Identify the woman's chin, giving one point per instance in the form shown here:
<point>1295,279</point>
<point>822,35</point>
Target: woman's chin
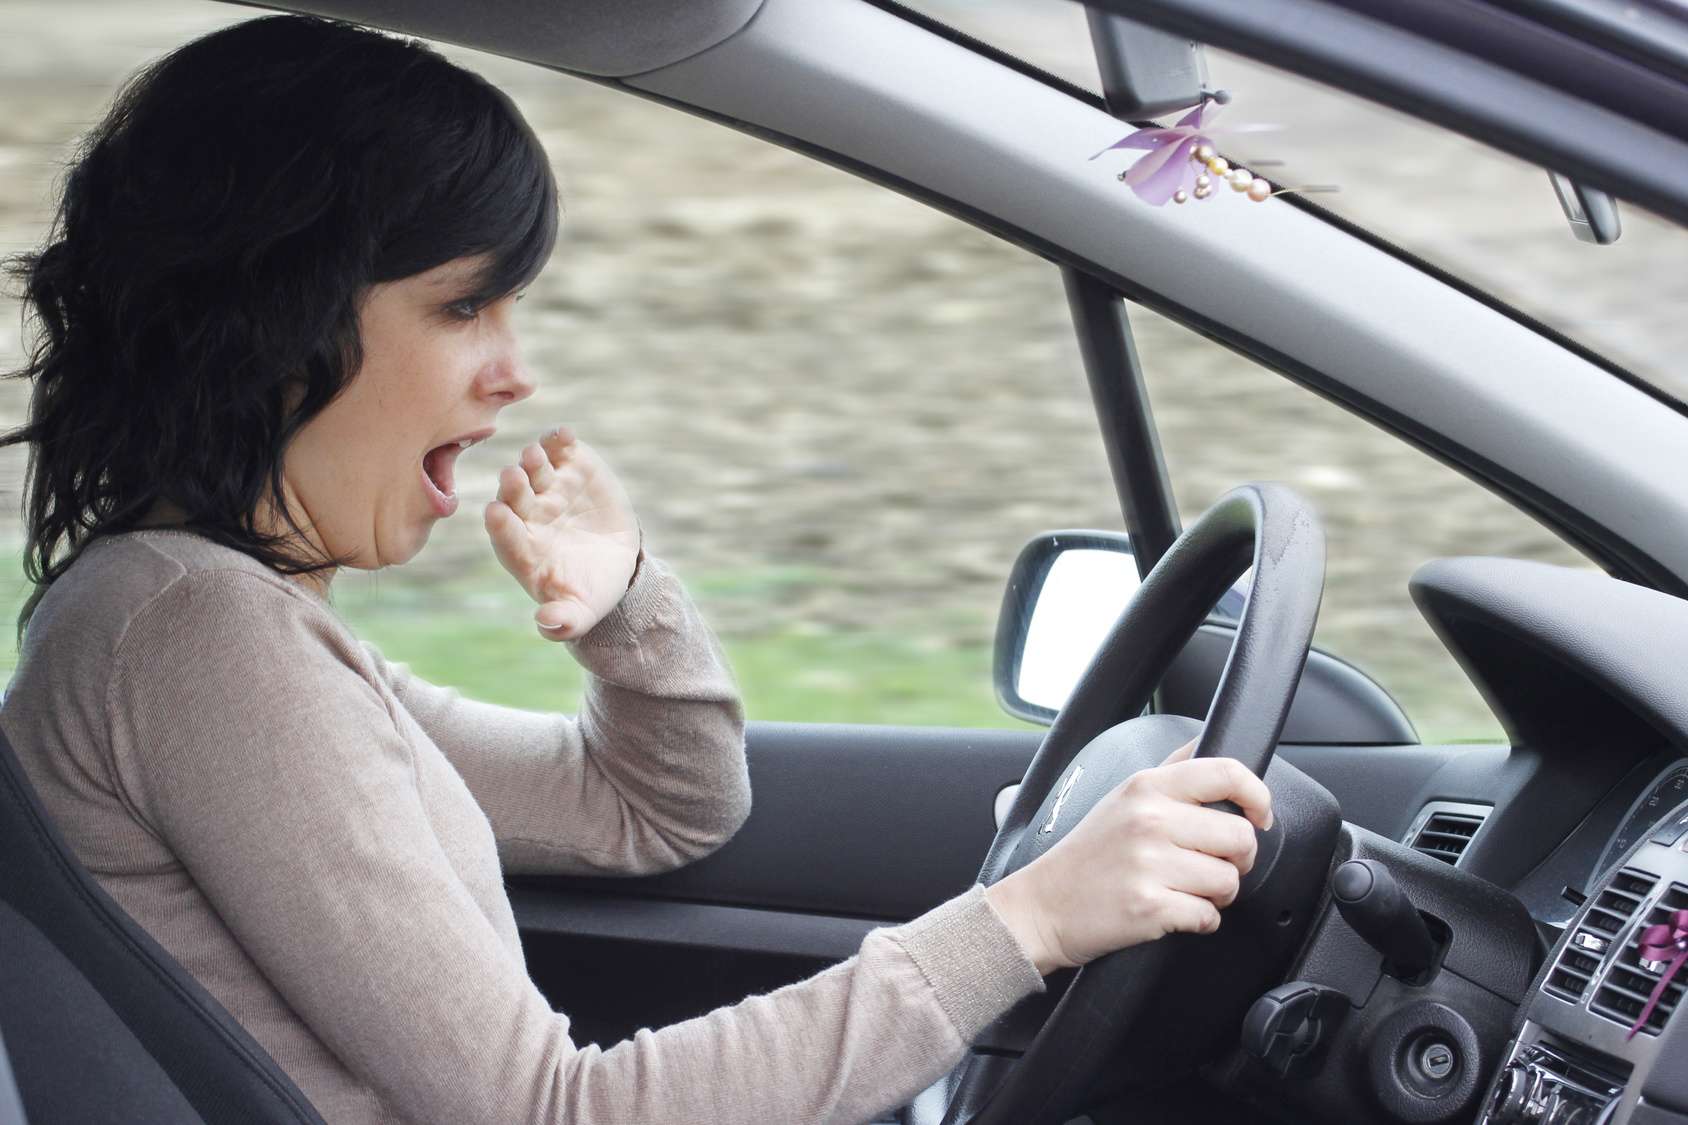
<point>396,550</point>
<point>418,540</point>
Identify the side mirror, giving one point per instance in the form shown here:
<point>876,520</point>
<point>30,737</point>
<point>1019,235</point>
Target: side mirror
<point>1066,591</point>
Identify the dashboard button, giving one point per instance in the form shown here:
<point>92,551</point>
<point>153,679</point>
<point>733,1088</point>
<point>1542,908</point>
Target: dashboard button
<point>1582,939</point>
<point>1511,1093</point>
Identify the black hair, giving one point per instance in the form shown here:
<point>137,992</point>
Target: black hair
<point>198,292</point>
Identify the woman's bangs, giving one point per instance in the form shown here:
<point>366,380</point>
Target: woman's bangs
<point>510,207</point>
<point>518,258</point>
<point>493,195</point>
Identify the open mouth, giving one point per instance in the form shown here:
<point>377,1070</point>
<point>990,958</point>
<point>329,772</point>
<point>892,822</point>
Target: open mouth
<point>438,467</point>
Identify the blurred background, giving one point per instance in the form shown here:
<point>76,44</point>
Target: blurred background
<point>841,413</point>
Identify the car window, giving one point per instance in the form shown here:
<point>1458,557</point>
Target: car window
<point>839,413</point>
<point>1385,506</point>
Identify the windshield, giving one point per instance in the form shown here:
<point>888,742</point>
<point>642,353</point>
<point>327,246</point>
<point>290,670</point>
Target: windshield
<point>1477,213</point>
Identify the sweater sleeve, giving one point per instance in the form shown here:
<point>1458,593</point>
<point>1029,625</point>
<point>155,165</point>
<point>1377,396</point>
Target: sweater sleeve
<point>650,776</point>
<point>246,739</point>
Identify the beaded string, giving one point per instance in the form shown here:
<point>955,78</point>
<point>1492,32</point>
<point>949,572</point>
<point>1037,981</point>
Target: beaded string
<point>1182,163</point>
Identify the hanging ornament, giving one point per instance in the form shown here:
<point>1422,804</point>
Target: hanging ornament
<point>1181,162</point>
<point>1174,156</point>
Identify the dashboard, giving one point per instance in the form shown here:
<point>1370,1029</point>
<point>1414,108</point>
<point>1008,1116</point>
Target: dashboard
<point>1591,1041</point>
<point>1629,812</point>
<point>1588,829</point>
<point>1649,811</point>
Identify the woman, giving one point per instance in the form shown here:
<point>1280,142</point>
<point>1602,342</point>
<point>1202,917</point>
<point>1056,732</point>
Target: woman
<point>276,305</point>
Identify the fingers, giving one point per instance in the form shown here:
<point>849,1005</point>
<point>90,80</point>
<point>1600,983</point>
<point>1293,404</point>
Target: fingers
<point>1183,753</point>
<point>516,490</point>
<point>1201,875</point>
<point>1189,914</point>
<point>509,538</point>
<point>537,461</point>
<point>561,620</point>
<point>1216,833</point>
<point>558,444</point>
<point>501,522</point>
<point>1204,781</point>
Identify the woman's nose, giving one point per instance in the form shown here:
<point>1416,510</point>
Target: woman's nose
<point>510,383</point>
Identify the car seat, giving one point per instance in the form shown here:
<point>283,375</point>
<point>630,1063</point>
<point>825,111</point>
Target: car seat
<point>101,1024</point>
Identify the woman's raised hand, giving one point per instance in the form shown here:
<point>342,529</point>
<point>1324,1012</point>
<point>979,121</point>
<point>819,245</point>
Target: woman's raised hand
<point>1146,861</point>
<point>564,527</point>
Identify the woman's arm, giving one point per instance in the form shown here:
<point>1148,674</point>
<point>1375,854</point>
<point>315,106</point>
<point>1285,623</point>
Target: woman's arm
<point>245,737</point>
<point>650,776</point>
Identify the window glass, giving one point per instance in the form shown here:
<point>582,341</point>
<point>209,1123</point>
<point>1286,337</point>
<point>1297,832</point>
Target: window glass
<point>1486,217</point>
<point>839,413</point>
<point>1385,507</point>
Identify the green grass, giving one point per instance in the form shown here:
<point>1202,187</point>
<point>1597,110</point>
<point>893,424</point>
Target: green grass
<point>485,646</point>
<point>474,631</point>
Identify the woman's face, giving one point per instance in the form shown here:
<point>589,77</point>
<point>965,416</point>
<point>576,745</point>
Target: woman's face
<point>369,475</point>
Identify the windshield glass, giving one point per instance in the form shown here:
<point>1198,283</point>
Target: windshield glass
<point>1477,213</point>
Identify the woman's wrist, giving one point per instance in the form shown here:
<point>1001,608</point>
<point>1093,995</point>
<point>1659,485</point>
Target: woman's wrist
<point>1020,914</point>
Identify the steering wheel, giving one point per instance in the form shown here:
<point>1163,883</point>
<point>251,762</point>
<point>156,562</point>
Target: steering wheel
<point>1150,1010</point>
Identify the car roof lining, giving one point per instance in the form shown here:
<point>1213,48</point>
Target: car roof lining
<point>599,38</point>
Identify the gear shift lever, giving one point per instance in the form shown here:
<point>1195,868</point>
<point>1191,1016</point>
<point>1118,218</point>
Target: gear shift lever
<point>1370,901</point>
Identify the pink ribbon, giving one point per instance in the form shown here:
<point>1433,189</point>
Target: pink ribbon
<point>1668,941</point>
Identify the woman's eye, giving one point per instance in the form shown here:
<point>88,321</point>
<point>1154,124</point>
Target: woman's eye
<point>464,310</point>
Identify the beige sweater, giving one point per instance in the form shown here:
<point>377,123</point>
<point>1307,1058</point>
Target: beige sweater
<point>319,837</point>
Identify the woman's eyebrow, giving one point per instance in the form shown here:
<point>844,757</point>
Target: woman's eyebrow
<point>457,278</point>
<point>459,273</point>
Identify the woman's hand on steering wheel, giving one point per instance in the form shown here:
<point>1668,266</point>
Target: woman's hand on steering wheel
<point>564,527</point>
<point>1146,861</point>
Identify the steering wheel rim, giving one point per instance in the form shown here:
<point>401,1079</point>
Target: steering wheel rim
<point>1265,526</point>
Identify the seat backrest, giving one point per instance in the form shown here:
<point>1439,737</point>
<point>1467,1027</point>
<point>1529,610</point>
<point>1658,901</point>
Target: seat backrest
<point>11,1106</point>
<point>101,1024</point>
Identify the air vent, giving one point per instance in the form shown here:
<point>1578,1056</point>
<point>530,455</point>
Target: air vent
<point>1445,829</point>
<point>1623,994</point>
<point>1586,949</point>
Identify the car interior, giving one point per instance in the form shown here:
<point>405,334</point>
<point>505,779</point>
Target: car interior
<point>1435,932</point>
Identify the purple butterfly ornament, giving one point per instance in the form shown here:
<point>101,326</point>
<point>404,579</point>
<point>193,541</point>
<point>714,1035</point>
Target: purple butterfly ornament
<point>1169,166</point>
